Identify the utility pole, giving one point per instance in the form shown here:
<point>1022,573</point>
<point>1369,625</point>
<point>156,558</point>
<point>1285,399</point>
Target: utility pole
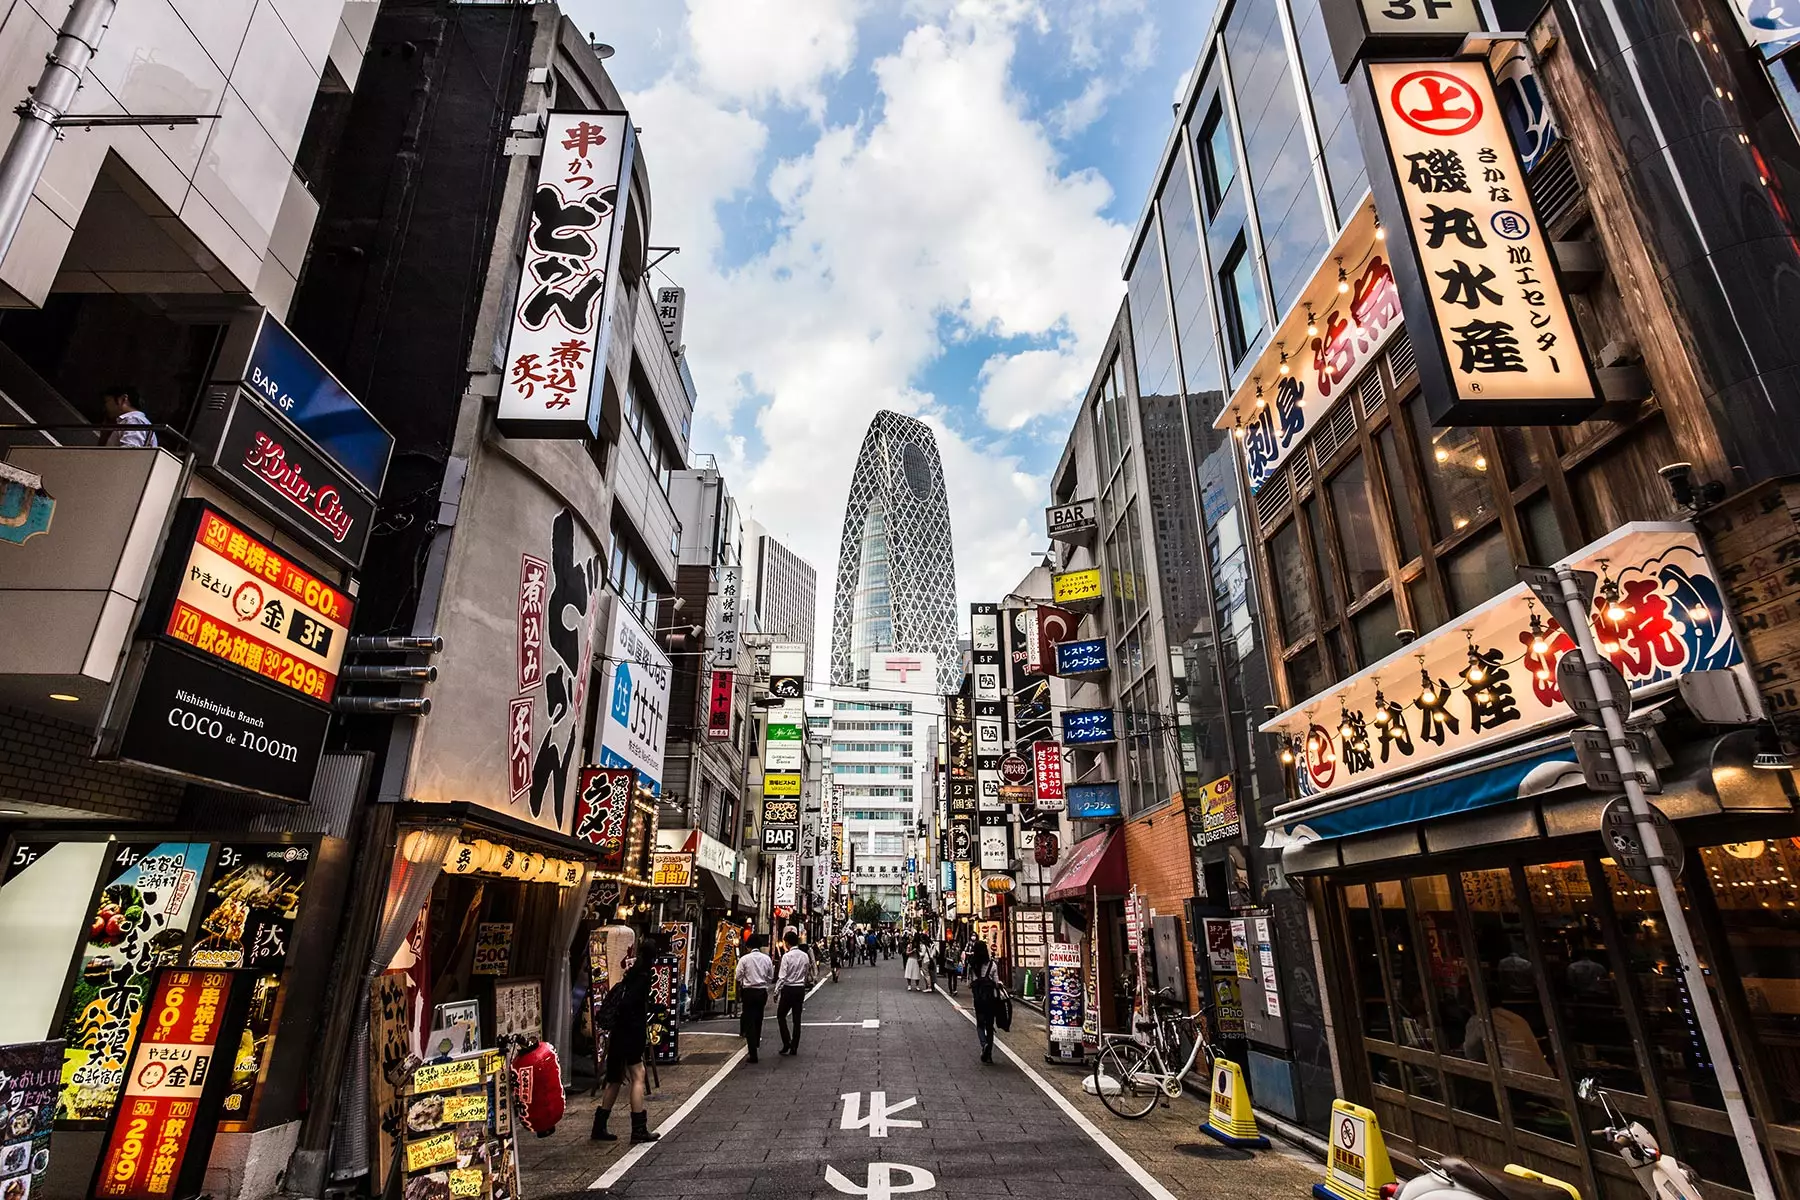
<point>1568,591</point>
<point>42,112</point>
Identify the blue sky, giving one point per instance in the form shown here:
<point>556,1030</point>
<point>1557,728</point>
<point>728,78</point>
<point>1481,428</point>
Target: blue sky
<point>910,204</point>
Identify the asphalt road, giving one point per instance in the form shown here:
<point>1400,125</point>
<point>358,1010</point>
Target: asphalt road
<point>954,1126</point>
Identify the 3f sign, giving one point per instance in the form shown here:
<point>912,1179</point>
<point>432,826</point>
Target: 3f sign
<point>1420,16</point>
<point>1406,10</point>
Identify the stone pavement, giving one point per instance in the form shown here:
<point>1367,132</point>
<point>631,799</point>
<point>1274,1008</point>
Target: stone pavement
<point>775,1127</point>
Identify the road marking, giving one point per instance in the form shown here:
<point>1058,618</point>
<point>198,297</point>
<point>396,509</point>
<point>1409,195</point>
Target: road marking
<point>629,1159</point>
<point>881,1181</point>
<point>1131,1165</point>
<point>881,1114</point>
<point>872,1023</point>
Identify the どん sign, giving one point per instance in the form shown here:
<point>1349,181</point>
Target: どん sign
<point>207,722</point>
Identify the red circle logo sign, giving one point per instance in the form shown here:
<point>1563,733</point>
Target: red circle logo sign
<point>1435,102</point>
<point>1321,759</point>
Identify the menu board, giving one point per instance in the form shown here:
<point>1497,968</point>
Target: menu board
<point>519,1007</point>
<point>493,947</point>
<point>459,1139</point>
<point>29,1074</point>
<point>665,1017</point>
<point>1063,993</point>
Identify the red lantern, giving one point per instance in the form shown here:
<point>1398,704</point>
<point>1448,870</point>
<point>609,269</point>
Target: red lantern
<point>538,1088</point>
<point>1047,851</point>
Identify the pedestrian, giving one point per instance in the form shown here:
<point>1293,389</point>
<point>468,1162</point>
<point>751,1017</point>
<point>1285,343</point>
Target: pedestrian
<point>887,946</point>
<point>627,1013</point>
<point>952,968</point>
<point>869,945</point>
<point>792,977</point>
<point>984,990</point>
<point>131,428</point>
<point>755,976</point>
<point>927,962</point>
<point>915,975</point>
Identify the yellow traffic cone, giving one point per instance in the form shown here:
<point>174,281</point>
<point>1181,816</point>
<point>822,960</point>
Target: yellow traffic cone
<point>1358,1164</point>
<point>1229,1117</point>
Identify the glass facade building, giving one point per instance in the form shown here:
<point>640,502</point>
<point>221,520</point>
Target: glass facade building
<point>896,583</point>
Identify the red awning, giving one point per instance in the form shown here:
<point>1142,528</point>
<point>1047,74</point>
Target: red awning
<point>1097,861</point>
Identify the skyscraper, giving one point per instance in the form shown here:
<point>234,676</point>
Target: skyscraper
<point>781,588</point>
<point>896,583</point>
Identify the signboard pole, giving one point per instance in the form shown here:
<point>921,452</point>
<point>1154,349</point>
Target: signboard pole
<point>1575,610</point>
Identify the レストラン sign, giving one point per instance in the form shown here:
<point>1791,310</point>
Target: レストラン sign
<point>1497,344</point>
<point>1491,676</point>
<point>246,604</point>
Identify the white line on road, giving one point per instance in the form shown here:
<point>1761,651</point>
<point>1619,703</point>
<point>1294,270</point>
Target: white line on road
<point>1132,1167</point>
<point>629,1159</point>
<point>871,1023</point>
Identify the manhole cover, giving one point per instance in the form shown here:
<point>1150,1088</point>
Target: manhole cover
<point>1214,1151</point>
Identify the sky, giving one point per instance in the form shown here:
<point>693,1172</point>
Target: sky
<point>918,205</point>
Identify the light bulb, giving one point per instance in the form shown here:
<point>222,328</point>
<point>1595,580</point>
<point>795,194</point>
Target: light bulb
<point>1616,612</point>
<point>1477,675</point>
<point>1484,696</point>
<point>1481,462</point>
<point>1312,327</point>
<point>1543,673</point>
<point>1441,454</point>
<point>1283,368</point>
<point>1287,756</point>
<point>1609,647</point>
<point>1381,716</point>
<point>1699,612</point>
<point>1380,232</point>
<point>1343,286</point>
<point>1540,647</point>
<point>1345,730</point>
<point>1427,698</point>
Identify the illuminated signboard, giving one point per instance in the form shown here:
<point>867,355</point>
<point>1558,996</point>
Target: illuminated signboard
<point>159,1140</point>
<point>1076,587</point>
<point>1079,658</point>
<point>719,706</point>
<point>671,869</point>
<point>1084,726</point>
<point>781,783</point>
<point>562,314</point>
<point>1496,340</point>
<point>251,607</point>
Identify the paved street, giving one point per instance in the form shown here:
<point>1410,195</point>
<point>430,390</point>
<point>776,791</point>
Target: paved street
<point>776,1127</point>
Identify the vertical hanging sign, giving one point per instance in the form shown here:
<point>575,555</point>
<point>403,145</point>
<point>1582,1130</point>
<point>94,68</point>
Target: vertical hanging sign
<point>562,315</point>
<point>1483,304</point>
<point>994,849</point>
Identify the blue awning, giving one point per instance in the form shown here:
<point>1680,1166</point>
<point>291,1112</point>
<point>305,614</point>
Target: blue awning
<point>1464,793</point>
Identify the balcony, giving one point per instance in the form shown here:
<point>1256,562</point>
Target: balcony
<point>69,593</point>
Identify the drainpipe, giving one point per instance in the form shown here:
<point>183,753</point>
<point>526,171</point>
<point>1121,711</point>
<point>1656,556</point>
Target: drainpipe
<point>39,113</point>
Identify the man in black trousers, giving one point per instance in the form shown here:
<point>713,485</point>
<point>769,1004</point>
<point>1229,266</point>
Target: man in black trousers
<point>755,976</point>
<point>794,974</point>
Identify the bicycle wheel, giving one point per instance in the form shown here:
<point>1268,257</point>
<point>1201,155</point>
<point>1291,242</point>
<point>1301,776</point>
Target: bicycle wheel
<point>1119,1078</point>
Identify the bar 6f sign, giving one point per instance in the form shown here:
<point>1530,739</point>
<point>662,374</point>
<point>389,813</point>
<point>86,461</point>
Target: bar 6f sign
<point>562,316</point>
<point>1478,286</point>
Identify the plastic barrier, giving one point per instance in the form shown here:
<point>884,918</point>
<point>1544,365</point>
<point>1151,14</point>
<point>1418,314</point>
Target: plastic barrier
<point>1358,1164</point>
<point>1228,1116</point>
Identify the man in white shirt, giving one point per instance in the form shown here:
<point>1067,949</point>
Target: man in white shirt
<point>794,975</point>
<point>755,976</point>
<point>130,426</point>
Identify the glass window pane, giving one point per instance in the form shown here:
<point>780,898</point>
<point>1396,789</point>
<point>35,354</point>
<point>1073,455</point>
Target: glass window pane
<point>1427,612</point>
<point>1541,1115</point>
<point>1753,884</point>
<point>1291,590</point>
<point>1358,536</point>
<point>1366,963</point>
<point>1473,1095</point>
<point>1516,449</point>
<point>1328,585</point>
<point>1580,975</point>
<point>1375,628</point>
<point>1218,163</point>
<point>1480,570</point>
<point>1518,1037</point>
<point>1243,300</point>
<point>1448,966</point>
<point>1458,482</point>
<point>1542,533</point>
<point>1412,1023</point>
<point>1307,673</point>
<point>1399,494</point>
<point>1683,1067</point>
<point>1149,304</point>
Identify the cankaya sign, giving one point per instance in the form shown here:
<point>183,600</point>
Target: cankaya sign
<point>562,318</point>
<point>719,705</point>
<point>1350,338</point>
<point>1047,776</point>
<point>238,599</point>
<point>1070,522</point>
<point>1496,341</point>
<point>1048,627</point>
<point>1427,703</point>
<point>1080,658</point>
<point>285,376</point>
<point>636,713</point>
<point>204,721</point>
<point>273,465</point>
<point>1077,587</point>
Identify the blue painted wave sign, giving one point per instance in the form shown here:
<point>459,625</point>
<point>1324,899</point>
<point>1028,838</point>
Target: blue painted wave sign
<point>1083,726</point>
<point>1079,658</point>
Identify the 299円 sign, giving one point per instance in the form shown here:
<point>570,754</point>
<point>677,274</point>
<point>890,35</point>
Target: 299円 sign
<point>249,605</point>
<point>1475,269</point>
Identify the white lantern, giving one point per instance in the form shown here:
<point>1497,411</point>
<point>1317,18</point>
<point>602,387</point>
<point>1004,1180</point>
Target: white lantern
<point>524,865</point>
<point>463,858</point>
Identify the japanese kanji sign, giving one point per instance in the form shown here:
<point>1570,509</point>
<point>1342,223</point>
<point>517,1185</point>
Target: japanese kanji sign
<point>243,602</point>
<point>1497,343</point>
<point>563,311</point>
<point>1492,675</point>
<point>534,596</point>
<point>719,706</point>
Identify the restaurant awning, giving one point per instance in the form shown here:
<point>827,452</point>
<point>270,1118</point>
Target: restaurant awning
<point>1096,862</point>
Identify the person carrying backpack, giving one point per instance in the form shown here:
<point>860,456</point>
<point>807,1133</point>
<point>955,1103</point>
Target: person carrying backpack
<point>992,1003</point>
<point>625,1018</point>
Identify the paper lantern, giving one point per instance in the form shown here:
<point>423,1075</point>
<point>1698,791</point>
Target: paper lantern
<point>547,870</point>
<point>463,858</point>
<point>525,865</point>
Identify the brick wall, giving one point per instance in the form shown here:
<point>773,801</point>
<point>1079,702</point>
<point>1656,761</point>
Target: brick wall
<point>1156,858</point>
<point>45,761</point>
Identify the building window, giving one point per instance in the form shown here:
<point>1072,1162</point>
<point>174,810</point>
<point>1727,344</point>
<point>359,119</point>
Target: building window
<point>1242,302</point>
<point>1218,165</point>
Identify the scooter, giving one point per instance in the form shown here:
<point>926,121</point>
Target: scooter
<point>1460,1179</point>
<point>1656,1172</point>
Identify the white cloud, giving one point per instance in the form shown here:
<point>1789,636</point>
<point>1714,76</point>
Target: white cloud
<point>752,51</point>
<point>1080,111</point>
<point>1017,388</point>
<point>698,155</point>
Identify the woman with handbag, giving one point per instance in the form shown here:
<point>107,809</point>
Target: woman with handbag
<point>992,1003</point>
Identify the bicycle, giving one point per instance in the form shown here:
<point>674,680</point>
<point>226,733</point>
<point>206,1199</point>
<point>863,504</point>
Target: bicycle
<point>1128,1070</point>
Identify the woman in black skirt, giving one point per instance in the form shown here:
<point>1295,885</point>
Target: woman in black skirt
<point>628,1035</point>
